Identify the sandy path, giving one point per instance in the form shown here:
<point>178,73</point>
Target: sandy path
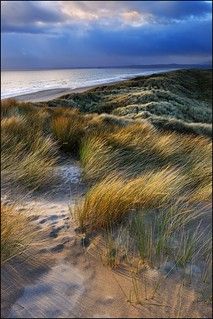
<point>56,290</point>
<point>74,284</point>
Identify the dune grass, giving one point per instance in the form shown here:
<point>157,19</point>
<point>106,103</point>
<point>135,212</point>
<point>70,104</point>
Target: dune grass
<point>174,101</point>
<point>28,154</point>
<point>180,126</point>
<point>11,107</point>
<point>183,95</point>
<point>17,234</point>
<point>28,157</point>
<point>139,148</point>
<point>151,183</point>
<point>68,129</point>
<point>113,198</point>
<point>105,144</point>
<point>169,234</point>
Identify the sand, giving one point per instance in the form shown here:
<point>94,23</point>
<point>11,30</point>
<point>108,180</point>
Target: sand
<point>68,280</point>
<point>47,95</point>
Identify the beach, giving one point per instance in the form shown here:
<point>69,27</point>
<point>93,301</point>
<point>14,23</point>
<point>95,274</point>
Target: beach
<point>41,85</point>
<point>51,94</point>
<point>48,95</point>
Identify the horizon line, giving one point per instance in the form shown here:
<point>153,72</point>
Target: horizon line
<point>111,67</point>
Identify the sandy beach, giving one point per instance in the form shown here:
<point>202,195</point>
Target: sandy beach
<point>51,94</point>
<point>47,95</point>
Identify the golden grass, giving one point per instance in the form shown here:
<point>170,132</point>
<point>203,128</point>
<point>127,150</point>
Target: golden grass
<point>107,146</point>
<point>97,157</point>
<point>28,156</point>
<point>139,148</point>
<point>138,169</point>
<point>135,169</point>
<point>11,107</point>
<point>68,130</point>
<point>16,233</point>
<point>114,197</point>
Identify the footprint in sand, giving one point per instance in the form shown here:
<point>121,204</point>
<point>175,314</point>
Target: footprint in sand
<point>53,296</point>
<point>55,231</point>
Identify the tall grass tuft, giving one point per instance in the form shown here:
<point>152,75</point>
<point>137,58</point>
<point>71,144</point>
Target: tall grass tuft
<point>68,130</point>
<point>112,198</point>
<point>28,156</point>
<point>16,233</point>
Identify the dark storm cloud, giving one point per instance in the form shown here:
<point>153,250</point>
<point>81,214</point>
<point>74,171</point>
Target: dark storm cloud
<point>43,16</point>
<point>150,40</point>
<point>80,33</point>
<point>28,16</point>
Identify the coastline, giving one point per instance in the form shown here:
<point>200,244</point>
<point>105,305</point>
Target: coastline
<point>51,94</point>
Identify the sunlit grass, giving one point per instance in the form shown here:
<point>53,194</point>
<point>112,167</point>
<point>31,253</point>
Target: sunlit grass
<point>114,197</point>
<point>28,156</point>
<point>17,233</point>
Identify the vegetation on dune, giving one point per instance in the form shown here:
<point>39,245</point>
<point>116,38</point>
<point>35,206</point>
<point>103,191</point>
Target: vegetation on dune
<point>151,184</point>
<point>139,148</point>
<point>180,126</point>
<point>114,197</point>
<point>157,235</point>
<point>104,143</point>
<point>16,233</point>
<point>177,100</point>
<point>68,129</point>
<point>28,154</point>
<point>188,174</point>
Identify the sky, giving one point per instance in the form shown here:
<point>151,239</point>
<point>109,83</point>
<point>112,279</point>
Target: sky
<point>59,34</point>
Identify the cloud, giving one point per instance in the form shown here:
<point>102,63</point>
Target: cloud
<point>158,11</point>
<point>47,16</point>
<point>151,40</point>
<point>29,16</point>
<point>89,33</point>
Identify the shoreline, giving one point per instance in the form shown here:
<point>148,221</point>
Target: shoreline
<point>51,94</point>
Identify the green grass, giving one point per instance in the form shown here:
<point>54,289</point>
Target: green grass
<point>175,125</point>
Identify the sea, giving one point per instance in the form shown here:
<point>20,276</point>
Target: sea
<point>15,83</point>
